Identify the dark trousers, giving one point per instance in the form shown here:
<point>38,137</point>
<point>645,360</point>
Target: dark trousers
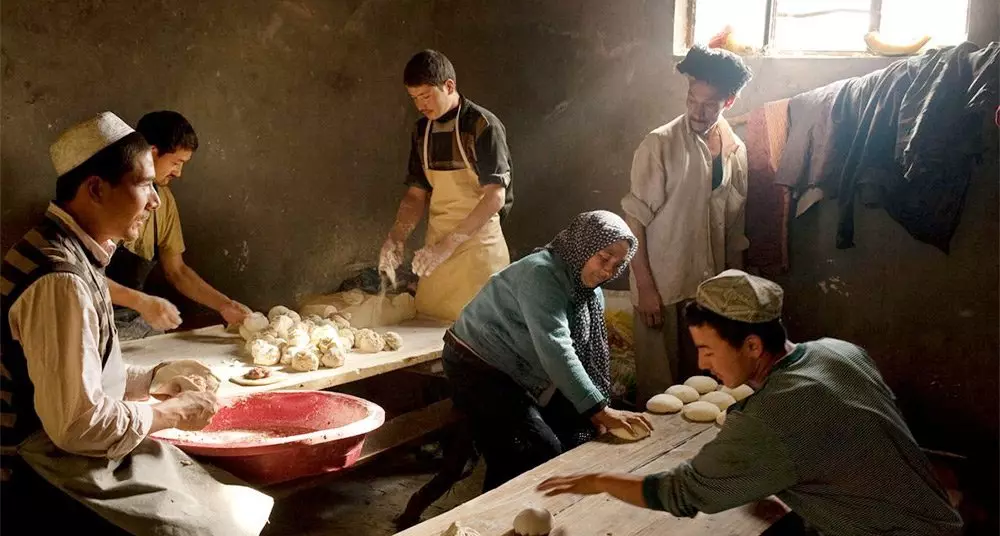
<point>511,431</point>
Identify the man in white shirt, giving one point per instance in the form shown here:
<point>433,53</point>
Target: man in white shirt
<point>76,451</point>
<point>686,205</point>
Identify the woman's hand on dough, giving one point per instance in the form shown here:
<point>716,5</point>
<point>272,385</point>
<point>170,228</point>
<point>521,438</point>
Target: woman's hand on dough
<point>390,256</point>
<point>609,418</point>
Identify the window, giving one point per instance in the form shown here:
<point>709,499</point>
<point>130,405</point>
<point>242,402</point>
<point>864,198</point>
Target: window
<point>828,27</point>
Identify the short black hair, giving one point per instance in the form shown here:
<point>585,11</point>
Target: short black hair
<point>110,164</point>
<point>168,131</point>
<point>772,334</point>
<point>428,68</point>
<point>720,68</point>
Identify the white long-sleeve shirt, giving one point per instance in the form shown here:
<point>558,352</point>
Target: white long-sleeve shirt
<point>84,408</point>
<point>692,231</point>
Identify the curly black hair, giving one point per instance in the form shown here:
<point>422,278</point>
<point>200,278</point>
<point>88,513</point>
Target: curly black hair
<point>720,68</point>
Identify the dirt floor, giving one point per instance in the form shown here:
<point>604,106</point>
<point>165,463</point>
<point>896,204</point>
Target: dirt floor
<point>365,501</point>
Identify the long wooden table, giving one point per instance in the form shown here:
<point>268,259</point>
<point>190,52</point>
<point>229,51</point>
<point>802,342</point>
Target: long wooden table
<point>673,441</point>
<point>223,352</point>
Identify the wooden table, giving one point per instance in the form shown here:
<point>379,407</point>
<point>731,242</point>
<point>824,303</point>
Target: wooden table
<point>673,441</point>
<point>223,352</point>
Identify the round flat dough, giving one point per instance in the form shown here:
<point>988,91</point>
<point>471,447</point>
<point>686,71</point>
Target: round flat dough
<point>275,377</point>
<point>623,433</point>
<point>742,392</point>
<point>701,411</point>
<point>702,384</point>
<point>718,398</point>
<point>685,393</point>
<point>664,403</point>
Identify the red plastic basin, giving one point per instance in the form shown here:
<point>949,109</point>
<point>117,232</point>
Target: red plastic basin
<point>276,436</point>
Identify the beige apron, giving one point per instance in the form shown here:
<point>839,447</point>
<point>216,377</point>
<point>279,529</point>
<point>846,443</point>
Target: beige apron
<point>156,489</point>
<point>458,279</point>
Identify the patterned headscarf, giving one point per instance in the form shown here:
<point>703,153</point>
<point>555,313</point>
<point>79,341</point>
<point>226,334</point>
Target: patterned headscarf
<point>587,234</point>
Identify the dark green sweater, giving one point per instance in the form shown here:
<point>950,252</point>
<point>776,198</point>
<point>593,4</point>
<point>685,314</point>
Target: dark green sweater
<point>824,435</point>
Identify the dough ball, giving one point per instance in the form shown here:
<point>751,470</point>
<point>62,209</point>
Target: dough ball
<point>246,333</point>
<point>298,336</point>
<point>368,341</point>
<point>281,324</point>
<point>702,384</point>
<point>264,352</point>
<point>721,419</point>
<point>718,398</point>
<point>701,411</point>
<point>742,392</point>
<point>322,310</point>
<point>393,341</point>
<point>289,351</point>
<point>256,322</point>
<point>347,336</point>
<point>685,393</point>
<point>276,311</point>
<point>324,332</point>
<point>341,321</point>
<point>664,403</point>
<point>305,360</point>
<point>331,354</point>
<point>639,432</point>
<point>533,522</point>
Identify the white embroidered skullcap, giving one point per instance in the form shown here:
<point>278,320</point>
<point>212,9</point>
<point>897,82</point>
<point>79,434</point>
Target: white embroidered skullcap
<point>82,141</point>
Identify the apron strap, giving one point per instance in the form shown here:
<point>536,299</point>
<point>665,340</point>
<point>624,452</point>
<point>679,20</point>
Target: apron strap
<point>458,139</point>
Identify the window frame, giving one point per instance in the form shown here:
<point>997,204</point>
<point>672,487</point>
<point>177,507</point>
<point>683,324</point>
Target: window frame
<point>687,16</point>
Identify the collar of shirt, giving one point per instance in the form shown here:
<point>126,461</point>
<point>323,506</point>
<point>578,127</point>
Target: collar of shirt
<point>451,114</point>
<point>100,252</point>
<point>729,145</point>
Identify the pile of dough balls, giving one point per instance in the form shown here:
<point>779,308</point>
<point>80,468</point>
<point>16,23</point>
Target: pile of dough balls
<point>306,342</point>
<point>700,399</point>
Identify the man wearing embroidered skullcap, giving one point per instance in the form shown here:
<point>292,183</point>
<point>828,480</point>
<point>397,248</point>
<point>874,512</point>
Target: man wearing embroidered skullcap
<point>821,431</point>
<point>77,456</point>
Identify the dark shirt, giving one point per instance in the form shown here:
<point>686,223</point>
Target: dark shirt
<point>484,139</point>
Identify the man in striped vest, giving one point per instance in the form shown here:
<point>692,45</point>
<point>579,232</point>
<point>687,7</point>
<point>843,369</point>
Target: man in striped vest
<point>75,434</point>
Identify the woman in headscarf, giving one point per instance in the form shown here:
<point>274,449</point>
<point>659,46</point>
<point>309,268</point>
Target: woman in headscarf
<point>528,357</point>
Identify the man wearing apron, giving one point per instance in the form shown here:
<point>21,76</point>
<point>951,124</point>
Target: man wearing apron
<point>460,162</point>
<point>138,314</point>
<point>76,456</point>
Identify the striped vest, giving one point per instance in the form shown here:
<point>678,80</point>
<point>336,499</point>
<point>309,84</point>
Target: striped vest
<point>48,248</point>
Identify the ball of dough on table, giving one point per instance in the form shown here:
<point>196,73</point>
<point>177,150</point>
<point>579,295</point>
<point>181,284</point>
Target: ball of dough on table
<point>305,360</point>
<point>347,336</point>
<point>723,400</point>
<point>341,321</point>
<point>702,384</point>
<point>664,403</point>
<point>701,411</point>
<point>276,311</point>
<point>288,351</point>
<point>331,354</point>
<point>256,321</point>
<point>685,393</point>
<point>323,332</point>
<point>281,324</point>
<point>264,352</point>
<point>298,336</point>
<point>638,432</point>
<point>393,341</point>
<point>741,392</point>
<point>368,341</point>
<point>533,522</point>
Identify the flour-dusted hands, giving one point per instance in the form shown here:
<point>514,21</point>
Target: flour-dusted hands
<point>428,258</point>
<point>159,313</point>
<point>390,256</point>
<point>234,312</point>
<point>172,378</point>
<point>190,410</point>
